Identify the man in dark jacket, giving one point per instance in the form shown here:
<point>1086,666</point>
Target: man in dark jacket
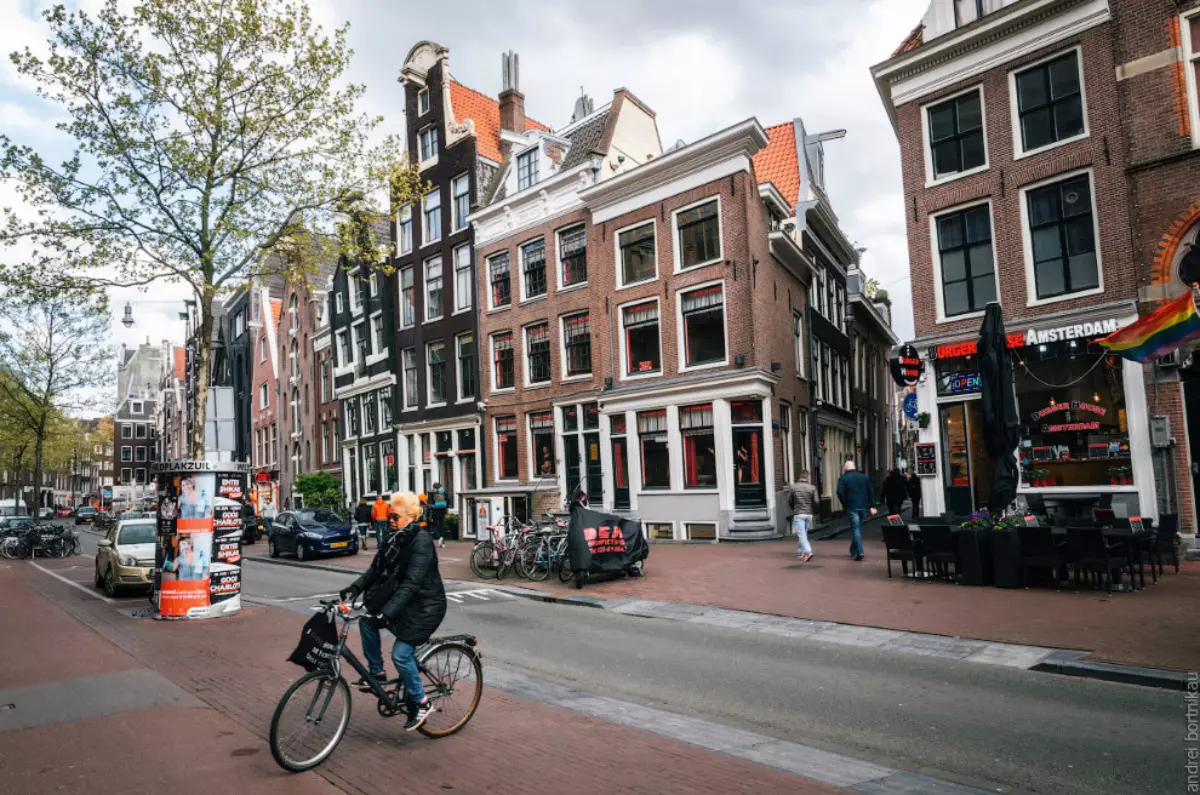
<point>914,494</point>
<point>857,494</point>
<point>402,590</point>
<point>362,518</point>
<point>895,489</point>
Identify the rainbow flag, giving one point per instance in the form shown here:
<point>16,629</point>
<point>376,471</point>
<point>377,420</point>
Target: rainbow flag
<point>1157,334</point>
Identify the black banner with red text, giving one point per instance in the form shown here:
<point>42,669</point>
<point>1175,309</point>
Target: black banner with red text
<point>599,542</point>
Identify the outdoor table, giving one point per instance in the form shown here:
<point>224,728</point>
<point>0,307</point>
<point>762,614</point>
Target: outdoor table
<point>1131,538</point>
<point>914,532</point>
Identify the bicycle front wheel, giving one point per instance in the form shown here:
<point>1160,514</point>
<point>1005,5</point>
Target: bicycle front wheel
<point>484,563</point>
<point>453,680</point>
<point>310,721</point>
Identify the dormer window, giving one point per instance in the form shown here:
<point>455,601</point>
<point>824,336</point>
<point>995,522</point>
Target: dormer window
<point>527,169</point>
<point>422,101</point>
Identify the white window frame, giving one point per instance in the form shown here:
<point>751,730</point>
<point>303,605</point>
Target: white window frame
<point>468,294</point>
<point>531,453</point>
<point>623,362</point>
<point>126,455</point>
<point>293,313</point>
<point>425,238</point>
<point>400,299</point>
<point>799,341</point>
<point>1027,240</point>
<point>339,305</point>
<point>492,361</point>
<point>381,397</point>
<point>1191,56</point>
<point>562,336</point>
<point>324,381</point>
<point>458,224</point>
<point>677,253</point>
<point>425,286</point>
<point>135,406</point>
<point>458,381</point>
<point>264,397</point>
<point>126,431</point>
<point>406,406</point>
<point>546,258</point>
<point>424,102</point>
<point>379,350</point>
<point>1019,152</point>
<point>426,162</point>
<point>373,284</point>
<point>341,366</point>
<point>617,253</point>
<point>126,476</point>
<point>935,258</point>
<point>525,382</point>
<point>927,145</point>
<point>487,264</point>
<point>497,458</point>
<point>429,401</point>
<point>404,244</point>
<point>352,289</point>
<point>294,361</point>
<point>680,339</point>
<point>355,338</point>
<point>533,153</point>
<point>558,271</point>
<point>139,475</point>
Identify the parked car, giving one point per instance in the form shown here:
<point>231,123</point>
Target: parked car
<point>125,557</point>
<point>46,512</point>
<point>66,512</point>
<point>15,522</point>
<point>85,515</point>
<point>308,532</point>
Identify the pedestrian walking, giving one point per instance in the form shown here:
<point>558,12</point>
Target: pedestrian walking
<point>802,500</point>
<point>437,515</point>
<point>362,518</point>
<point>895,490</point>
<point>857,495</point>
<point>268,516</point>
<point>379,518</point>
<point>914,493</point>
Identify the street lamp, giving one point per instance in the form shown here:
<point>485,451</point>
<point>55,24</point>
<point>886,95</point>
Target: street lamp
<point>127,321</point>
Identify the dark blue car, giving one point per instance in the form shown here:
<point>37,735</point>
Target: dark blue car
<point>309,532</point>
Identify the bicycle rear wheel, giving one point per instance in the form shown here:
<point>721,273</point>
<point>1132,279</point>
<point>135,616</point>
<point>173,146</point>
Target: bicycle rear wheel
<point>537,561</point>
<point>310,721</point>
<point>484,563</point>
<point>453,680</point>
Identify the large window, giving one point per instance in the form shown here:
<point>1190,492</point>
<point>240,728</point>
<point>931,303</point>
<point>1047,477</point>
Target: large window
<point>577,340</point>
<point>699,231</point>
<point>502,358</point>
<point>572,248</point>
<point>428,142</point>
<point>500,280</point>
<point>956,135</point>
<point>801,348</point>
<point>324,382</point>
<point>637,254</point>
<point>466,366</point>
<point>435,354</point>
<point>377,334</point>
<point>385,409</point>
<point>642,352</point>
<point>409,359</point>
<point>422,101</point>
<point>370,469</point>
<point>433,217</point>
<point>1063,237</point>
<point>433,288</point>
<point>703,312</point>
<point>656,457</point>
<point>699,447</point>
<point>408,297</point>
<point>1049,102</point>
<point>370,413</point>
<point>404,239</point>
<point>541,433</point>
<point>533,268</point>
<point>964,241</point>
<point>527,169</point>
<point>506,448</point>
<point>464,278</point>
<point>1191,64</point>
<point>461,189</point>
<point>537,352</point>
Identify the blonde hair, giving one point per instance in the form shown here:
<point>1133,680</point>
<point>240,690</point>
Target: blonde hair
<point>405,504</point>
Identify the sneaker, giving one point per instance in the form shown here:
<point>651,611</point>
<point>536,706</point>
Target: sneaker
<point>858,558</point>
<point>365,686</point>
<point>417,715</point>
<point>441,543</point>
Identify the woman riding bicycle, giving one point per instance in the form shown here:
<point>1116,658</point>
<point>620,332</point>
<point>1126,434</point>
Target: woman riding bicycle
<point>402,590</point>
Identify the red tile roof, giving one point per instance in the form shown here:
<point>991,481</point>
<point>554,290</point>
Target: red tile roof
<point>276,311</point>
<point>914,40</point>
<point>178,354</point>
<point>485,111</point>
<point>776,162</point>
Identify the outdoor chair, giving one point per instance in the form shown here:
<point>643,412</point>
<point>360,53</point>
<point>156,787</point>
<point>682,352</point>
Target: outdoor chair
<point>900,546</point>
<point>1090,552</point>
<point>939,549</point>
<point>1040,550</point>
<point>1104,517</point>
<point>1164,545</point>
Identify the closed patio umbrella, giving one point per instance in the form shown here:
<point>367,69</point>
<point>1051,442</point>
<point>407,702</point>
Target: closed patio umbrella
<point>1001,426</point>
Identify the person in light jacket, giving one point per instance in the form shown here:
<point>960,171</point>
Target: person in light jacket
<point>802,500</point>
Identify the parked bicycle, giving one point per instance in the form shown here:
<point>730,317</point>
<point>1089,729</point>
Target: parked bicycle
<point>313,714</point>
<point>47,540</point>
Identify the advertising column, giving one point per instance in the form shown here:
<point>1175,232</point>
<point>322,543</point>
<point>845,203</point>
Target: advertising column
<point>199,551</point>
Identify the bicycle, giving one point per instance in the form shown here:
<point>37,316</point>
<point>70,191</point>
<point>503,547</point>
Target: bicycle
<point>440,662</point>
<point>492,558</point>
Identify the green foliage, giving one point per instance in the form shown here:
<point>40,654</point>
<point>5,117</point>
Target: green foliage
<point>320,490</point>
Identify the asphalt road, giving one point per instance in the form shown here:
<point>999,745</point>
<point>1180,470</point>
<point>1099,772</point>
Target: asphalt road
<point>1004,729</point>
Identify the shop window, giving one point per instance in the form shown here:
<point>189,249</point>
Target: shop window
<point>620,461</point>
<point>537,352</point>
<point>964,241</point>
<point>699,234</point>
<point>572,246</point>
<point>636,249</point>
<point>701,531</point>
<point>577,340</point>
<point>660,531</point>
<point>699,447</point>
<point>506,447</point>
<point>408,297</point>
<point>703,313</point>
<point>570,418</point>
<point>466,458</point>
<point>1049,102</point>
<point>642,353</point>
<point>533,268</point>
<point>500,280</point>
<point>1063,236</point>
<point>656,457</point>
<point>502,358</point>
<point>541,431</point>
<point>956,140</point>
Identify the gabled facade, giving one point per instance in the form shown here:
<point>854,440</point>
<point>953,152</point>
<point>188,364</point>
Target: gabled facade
<point>136,449</point>
<point>265,397</point>
<point>326,428</point>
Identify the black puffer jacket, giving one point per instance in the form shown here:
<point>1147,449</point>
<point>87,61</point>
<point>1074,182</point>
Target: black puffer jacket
<point>403,585</point>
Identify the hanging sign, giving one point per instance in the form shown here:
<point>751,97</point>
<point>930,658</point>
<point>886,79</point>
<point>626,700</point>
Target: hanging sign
<point>907,366</point>
<point>910,405</point>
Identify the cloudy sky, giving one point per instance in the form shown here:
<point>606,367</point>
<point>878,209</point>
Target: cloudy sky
<point>700,64</point>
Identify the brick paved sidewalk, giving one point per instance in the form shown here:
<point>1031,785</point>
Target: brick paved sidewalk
<point>1153,628</point>
<point>513,746</point>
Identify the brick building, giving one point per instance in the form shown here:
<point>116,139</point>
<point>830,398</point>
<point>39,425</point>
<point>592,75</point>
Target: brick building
<point>1015,153</point>
<point>326,428</point>
<point>135,446</point>
<point>266,394</point>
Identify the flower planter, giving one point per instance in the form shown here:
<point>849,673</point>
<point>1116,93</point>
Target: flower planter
<point>1114,481</point>
<point>1124,481</point>
<point>1006,559</point>
<point>974,556</point>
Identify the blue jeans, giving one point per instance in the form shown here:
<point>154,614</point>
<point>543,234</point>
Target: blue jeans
<point>380,529</point>
<point>267,525</point>
<point>856,520</point>
<point>402,656</point>
<point>800,524</point>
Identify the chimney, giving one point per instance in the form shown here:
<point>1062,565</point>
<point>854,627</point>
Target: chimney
<point>512,101</point>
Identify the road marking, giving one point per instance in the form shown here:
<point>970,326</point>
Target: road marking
<point>87,591</point>
<point>312,598</point>
<point>482,594</point>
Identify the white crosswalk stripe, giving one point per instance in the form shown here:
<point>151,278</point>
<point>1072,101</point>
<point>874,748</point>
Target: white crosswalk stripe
<point>482,594</point>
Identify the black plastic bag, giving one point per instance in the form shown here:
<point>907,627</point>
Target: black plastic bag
<point>318,643</point>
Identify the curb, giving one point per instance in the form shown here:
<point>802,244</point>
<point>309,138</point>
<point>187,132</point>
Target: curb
<point>303,564</point>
